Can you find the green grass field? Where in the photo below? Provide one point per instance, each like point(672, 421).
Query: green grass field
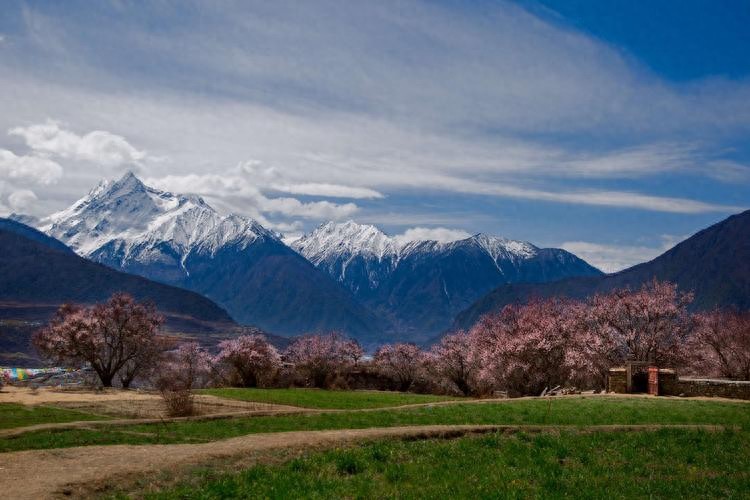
point(563, 411)
point(662, 464)
point(15, 415)
point(316, 398)
point(561, 463)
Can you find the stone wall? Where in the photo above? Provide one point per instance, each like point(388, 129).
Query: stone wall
point(670, 384)
point(736, 389)
point(617, 381)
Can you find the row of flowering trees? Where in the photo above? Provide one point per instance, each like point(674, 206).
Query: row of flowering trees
point(521, 349)
point(545, 343)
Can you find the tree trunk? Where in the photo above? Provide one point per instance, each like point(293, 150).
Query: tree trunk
point(405, 385)
point(249, 380)
point(463, 386)
point(106, 380)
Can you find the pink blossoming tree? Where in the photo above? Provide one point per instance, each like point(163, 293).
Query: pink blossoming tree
point(182, 370)
point(403, 363)
point(318, 358)
point(454, 360)
point(525, 349)
point(649, 324)
point(190, 365)
point(249, 360)
point(107, 336)
point(722, 344)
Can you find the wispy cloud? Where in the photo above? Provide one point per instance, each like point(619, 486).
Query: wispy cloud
point(612, 258)
point(329, 190)
point(222, 189)
point(341, 108)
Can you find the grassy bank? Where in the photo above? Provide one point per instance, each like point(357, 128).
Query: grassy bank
point(580, 411)
point(662, 464)
point(322, 399)
point(15, 415)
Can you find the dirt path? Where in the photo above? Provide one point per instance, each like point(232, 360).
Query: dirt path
point(242, 409)
point(38, 474)
point(133, 405)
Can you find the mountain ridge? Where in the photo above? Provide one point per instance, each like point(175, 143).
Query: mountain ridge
point(181, 240)
point(420, 285)
point(33, 271)
point(714, 264)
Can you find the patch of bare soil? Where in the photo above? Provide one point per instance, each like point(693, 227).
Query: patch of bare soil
point(69, 472)
point(119, 403)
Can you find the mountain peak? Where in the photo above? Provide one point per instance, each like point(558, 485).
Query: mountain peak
point(125, 220)
point(497, 246)
point(129, 176)
point(348, 239)
point(128, 183)
point(345, 239)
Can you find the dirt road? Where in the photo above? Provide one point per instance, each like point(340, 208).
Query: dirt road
point(36, 474)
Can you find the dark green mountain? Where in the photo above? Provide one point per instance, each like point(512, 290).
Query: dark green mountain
point(713, 264)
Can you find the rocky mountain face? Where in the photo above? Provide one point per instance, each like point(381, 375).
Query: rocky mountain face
point(419, 286)
point(713, 264)
point(181, 240)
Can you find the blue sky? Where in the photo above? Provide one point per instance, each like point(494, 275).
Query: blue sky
point(612, 129)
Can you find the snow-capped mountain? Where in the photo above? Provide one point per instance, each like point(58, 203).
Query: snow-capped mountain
point(343, 276)
point(181, 240)
point(356, 255)
point(333, 240)
point(352, 252)
point(128, 225)
point(421, 285)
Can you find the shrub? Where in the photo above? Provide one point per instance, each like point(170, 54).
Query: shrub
point(179, 401)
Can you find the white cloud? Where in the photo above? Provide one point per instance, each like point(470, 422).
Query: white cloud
point(21, 200)
point(329, 190)
point(613, 258)
point(363, 101)
point(98, 146)
point(622, 199)
point(265, 176)
point(250, 198)
point(32, 169)
point(442, 234)
point(316, 210)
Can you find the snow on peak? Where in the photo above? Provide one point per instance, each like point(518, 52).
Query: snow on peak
point(138, 218)
point(498, 247)
point(346, 239)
